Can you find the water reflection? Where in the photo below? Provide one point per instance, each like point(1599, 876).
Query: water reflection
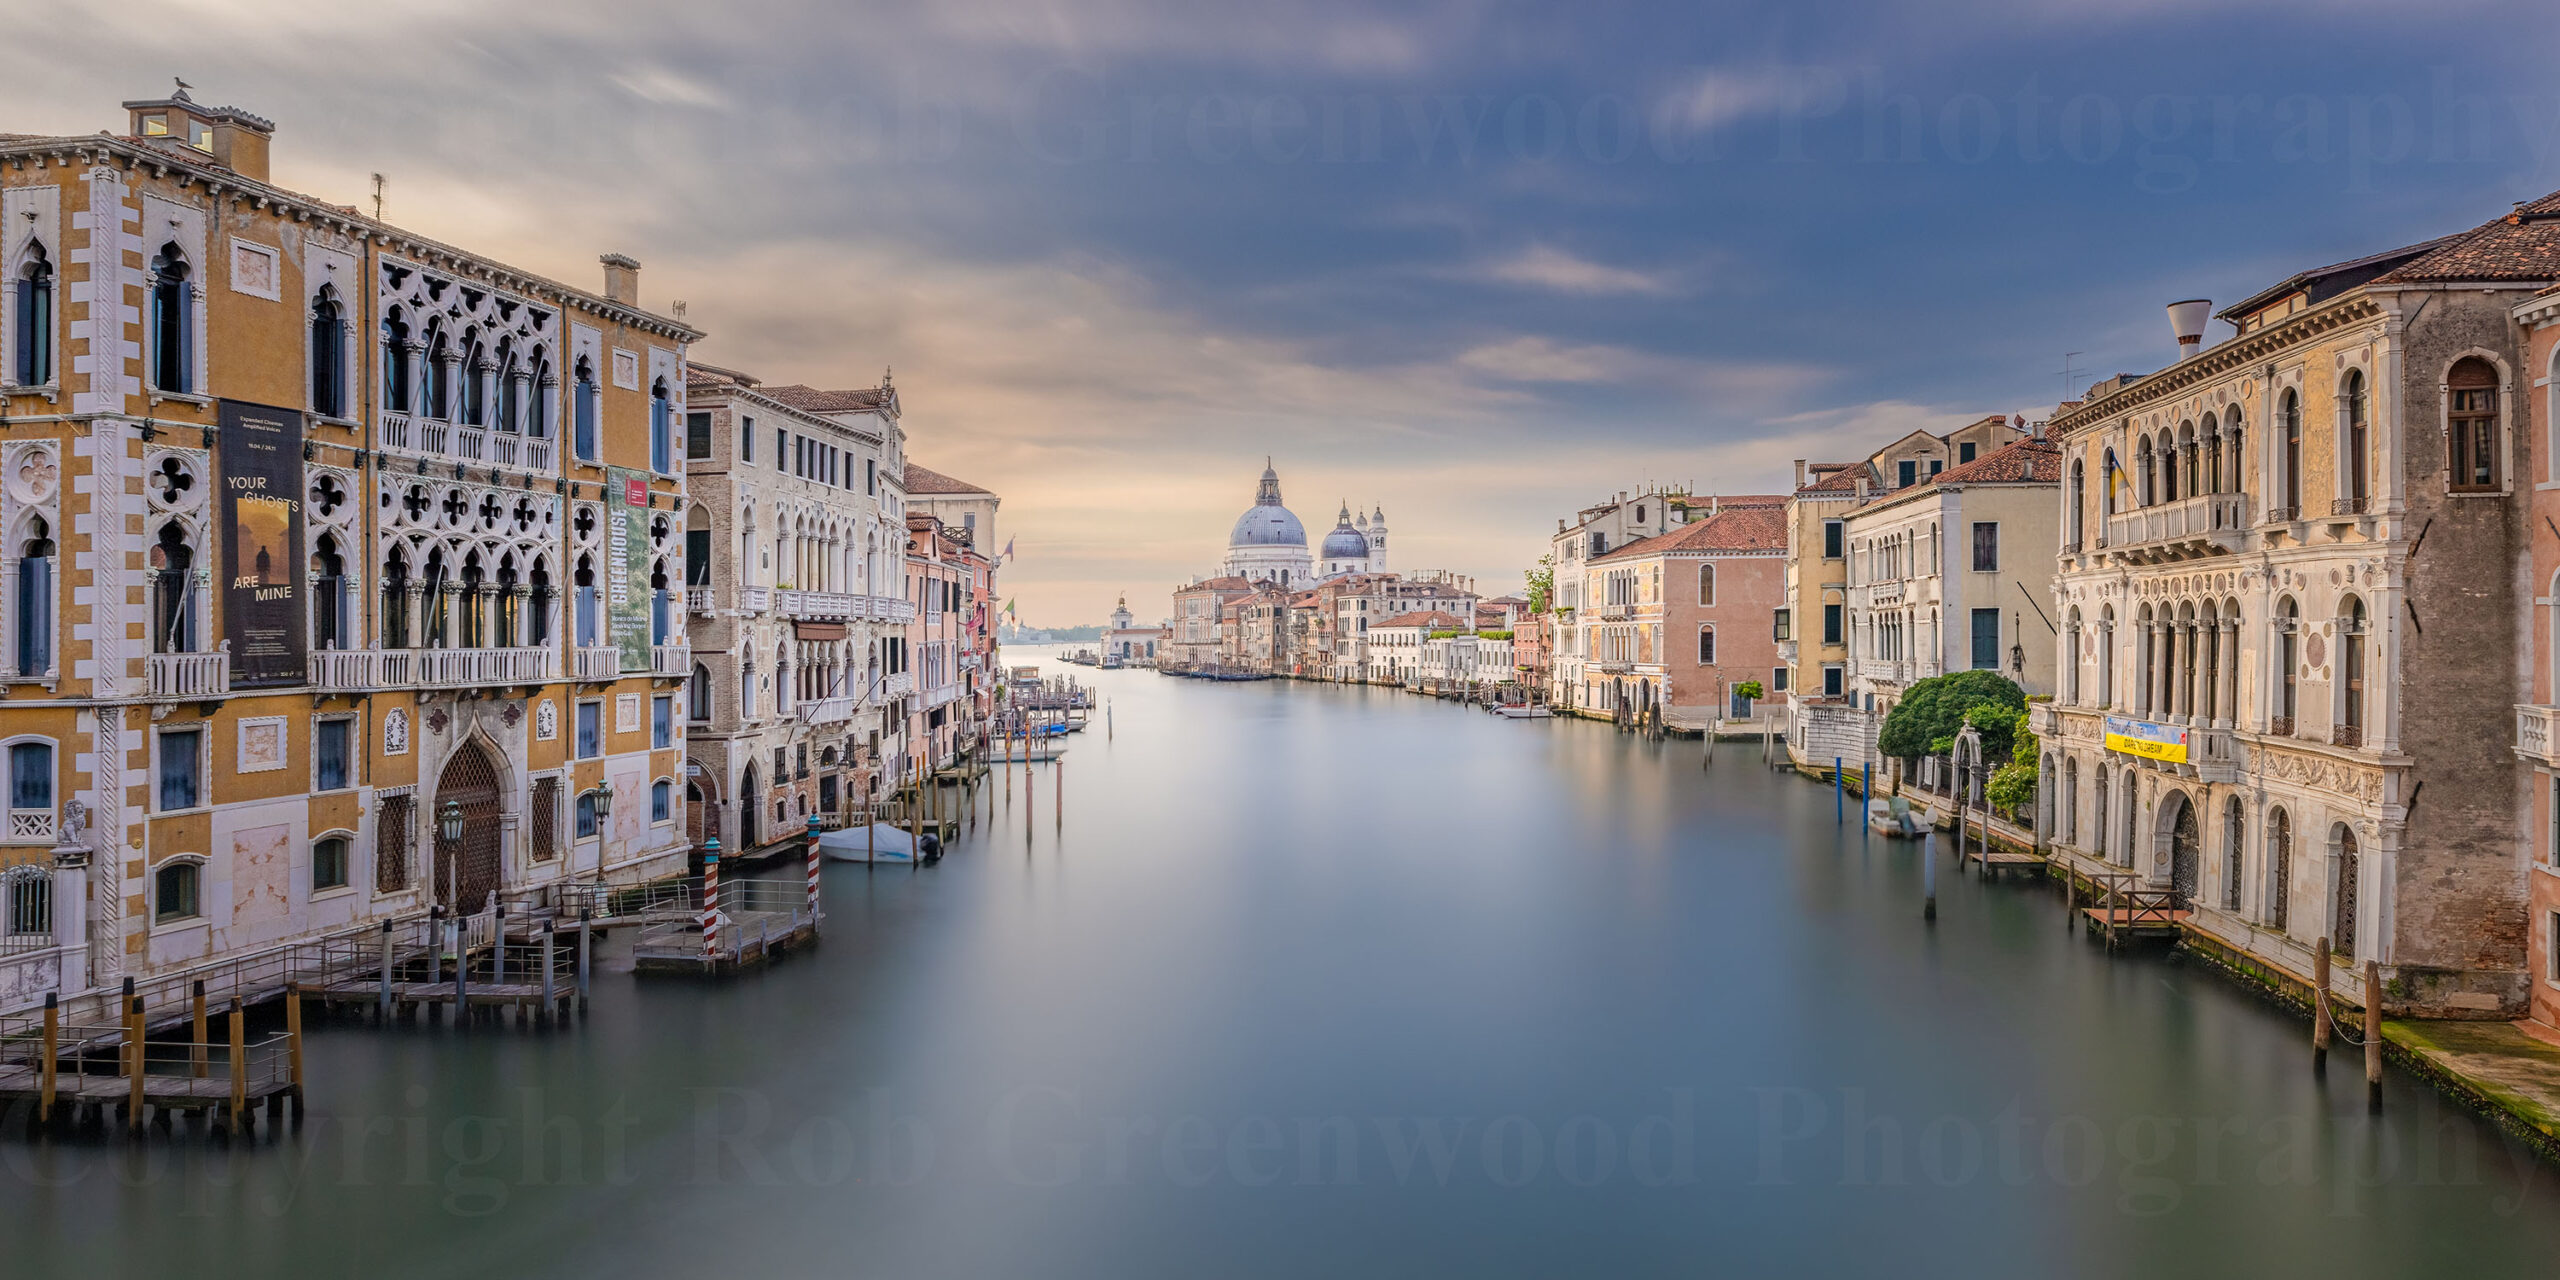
point(1324, 980)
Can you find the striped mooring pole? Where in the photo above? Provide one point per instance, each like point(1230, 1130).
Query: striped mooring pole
point(711, 900)
point(813, 868)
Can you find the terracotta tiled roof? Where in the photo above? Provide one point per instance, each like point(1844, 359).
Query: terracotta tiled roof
point(1433, 618)
point(698, 374)
point(812, 400)
point(1756, 526)
point(922, 480)
point(1845, 479)
point(1232, 582)
point(2524, 245)
point(2029, 461)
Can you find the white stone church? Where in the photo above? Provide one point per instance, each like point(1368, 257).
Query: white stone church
point(1269, 545)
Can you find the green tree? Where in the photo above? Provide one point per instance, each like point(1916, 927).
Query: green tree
point(2004, 732)
point(1542, 583)
point(2012, 788)
point(1924, 723)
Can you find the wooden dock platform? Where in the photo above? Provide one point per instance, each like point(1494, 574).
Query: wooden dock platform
point(1998, 862)
point(756, 921)
point(81, 1075)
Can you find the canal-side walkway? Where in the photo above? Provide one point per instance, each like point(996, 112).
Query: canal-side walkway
point(2499, 1069)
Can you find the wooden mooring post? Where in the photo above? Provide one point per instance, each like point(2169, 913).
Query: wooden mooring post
point(49, 1080)
point(239, 1069)
point(382, 1008)
point(135, 1064)
point(2373, 1035)
point(1929, 875)
point(586, 953)
point(2320, 1029)
point(461, 970)
point(550, 960)
point(196, 1052)
point(293, 1042)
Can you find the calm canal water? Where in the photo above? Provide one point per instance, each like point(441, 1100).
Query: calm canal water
point(1342, 981)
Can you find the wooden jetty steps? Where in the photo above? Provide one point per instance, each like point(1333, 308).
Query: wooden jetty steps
point(78, 1076)
point(180, 1044)
point(2127, 911)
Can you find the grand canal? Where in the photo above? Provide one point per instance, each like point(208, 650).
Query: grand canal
point(1339, 981)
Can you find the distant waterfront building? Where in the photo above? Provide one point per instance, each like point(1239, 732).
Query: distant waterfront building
point(795, 582)
point(1948, 574)
point(1593, 532)
point(1679, 622)
point(1824, 720)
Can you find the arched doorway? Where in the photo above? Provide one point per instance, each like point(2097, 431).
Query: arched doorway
point(2185, 848)
point(750, 804)
point(466, 871)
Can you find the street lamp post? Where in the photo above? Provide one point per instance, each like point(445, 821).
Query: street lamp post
point(449, 828)
point(604, 810)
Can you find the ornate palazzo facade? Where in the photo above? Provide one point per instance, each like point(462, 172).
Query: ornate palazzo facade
point(315, 528)
point(2287, 589)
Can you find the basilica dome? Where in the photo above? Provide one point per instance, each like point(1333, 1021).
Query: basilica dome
point(1266, 523)
point(1345, 542)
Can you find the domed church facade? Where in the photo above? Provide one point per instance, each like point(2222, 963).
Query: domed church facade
point(1269, 545)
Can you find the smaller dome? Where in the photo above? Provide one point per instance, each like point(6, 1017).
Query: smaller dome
point(1345, 542)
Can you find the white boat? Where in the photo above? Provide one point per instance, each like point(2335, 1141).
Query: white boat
point(879, 843)
point(1524, 713)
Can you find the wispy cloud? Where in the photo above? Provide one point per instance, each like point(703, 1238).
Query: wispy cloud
point(1715, 97)
point(1544, 266)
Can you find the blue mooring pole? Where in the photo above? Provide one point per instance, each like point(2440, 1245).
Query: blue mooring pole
point(1839, 805)
point(1929, 877)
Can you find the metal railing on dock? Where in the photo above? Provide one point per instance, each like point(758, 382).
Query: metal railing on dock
point(83, 1073)
point(2125, 908)
point(755, 921)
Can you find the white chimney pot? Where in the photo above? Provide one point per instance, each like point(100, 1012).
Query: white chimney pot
point(2187, 319)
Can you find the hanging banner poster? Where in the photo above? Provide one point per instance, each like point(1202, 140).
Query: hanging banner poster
point(627, 568)
point(263, 606)
point(2143, 738)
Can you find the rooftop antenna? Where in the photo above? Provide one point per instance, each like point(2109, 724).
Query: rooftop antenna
point(377, 197)
point(2068, 373)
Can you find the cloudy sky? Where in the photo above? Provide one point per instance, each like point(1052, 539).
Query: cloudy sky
point(1476, 262)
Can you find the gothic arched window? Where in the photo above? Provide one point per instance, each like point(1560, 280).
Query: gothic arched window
point(33, 319)
point(172, 322)
point(328, 355)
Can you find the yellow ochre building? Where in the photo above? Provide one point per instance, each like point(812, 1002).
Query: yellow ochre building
point(316, 531)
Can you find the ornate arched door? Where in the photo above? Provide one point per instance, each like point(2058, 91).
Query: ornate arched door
point(2185, 852)
point(466, 870)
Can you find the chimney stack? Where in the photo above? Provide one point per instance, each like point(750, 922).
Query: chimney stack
point(231, 137)
point(621, 279)
point(2188, 318)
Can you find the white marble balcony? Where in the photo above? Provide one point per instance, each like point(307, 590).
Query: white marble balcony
point(2537, 732)
point(472, 668)
point(671, 659)
point(599, 662)
point(826, 711)
point(2206, 524)
point(188, 675)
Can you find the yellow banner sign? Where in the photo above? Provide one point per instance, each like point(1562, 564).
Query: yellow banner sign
point(2143, 738)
